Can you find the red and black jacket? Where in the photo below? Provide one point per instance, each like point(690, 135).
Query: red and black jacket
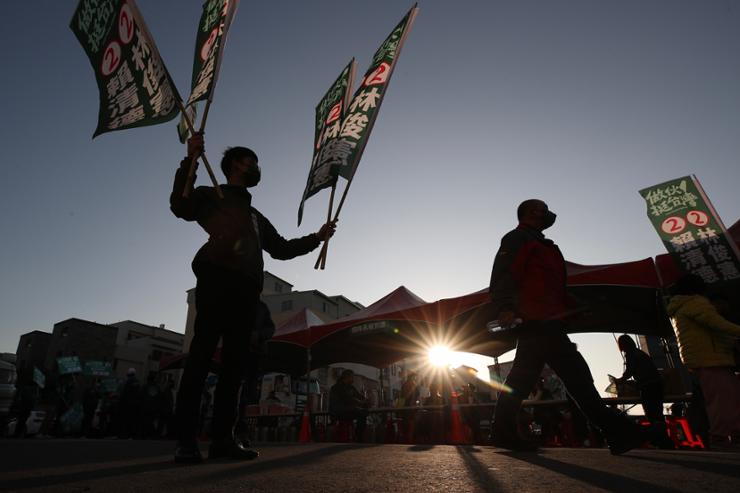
point(529, 276)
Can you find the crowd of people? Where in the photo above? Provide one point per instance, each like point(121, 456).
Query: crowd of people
point(84, 406)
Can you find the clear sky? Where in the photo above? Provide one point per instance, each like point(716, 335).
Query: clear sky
point(580, 103)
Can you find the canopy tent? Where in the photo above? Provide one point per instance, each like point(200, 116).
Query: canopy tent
point(287, 351)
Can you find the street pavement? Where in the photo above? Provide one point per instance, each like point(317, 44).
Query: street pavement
point(111, 466)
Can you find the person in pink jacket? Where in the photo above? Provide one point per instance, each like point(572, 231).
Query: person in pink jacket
point(705, 343)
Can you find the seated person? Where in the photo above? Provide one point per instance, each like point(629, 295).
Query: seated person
point(347, 404)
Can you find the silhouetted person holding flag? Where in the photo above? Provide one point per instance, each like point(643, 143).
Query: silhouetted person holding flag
point(529, 298)
point(229, 272)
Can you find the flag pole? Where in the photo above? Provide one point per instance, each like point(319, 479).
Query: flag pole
point(321, 261)
point(191, 172)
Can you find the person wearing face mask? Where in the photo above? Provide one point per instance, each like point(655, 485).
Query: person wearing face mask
point(528, 294)
point(229, 273)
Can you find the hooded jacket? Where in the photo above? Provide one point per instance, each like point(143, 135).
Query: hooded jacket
point(237, 231)
point(705, 338)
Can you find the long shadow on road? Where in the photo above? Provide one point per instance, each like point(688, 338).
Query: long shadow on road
point(131, 469)
point(480, 473)
point(27, 482)
point(724, 469)
point(289, 461)
point(594, 477)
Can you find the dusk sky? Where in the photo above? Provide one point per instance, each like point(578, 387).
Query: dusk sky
point(579, 103)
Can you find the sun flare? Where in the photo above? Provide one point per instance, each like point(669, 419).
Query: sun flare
point(440, 356)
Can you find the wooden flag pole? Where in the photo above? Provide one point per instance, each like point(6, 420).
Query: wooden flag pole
point(191, 172)
point(321, 261)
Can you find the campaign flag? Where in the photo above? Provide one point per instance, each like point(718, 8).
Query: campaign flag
point(183, 130)
point(69, 364)
point(691, 230)
point(343, 152)
point(98, 368)
point(39, 378)
point(329, 116)
point(209, 46)
point(134, 85)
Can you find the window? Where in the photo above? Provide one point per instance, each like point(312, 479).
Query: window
point(323, 307)
point(278, 287)
point(286, 305)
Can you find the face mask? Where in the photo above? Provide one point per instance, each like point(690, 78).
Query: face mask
point(548, 220)
point(253, 176)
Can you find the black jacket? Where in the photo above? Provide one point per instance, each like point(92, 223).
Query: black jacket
point(237, 231)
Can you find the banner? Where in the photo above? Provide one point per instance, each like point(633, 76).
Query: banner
point(39, 378)
point(98, 368)
point(134, 85)
point(209, 46)
point(342, 153)
point(69, 364)
point(691, 230)
point(329, 116)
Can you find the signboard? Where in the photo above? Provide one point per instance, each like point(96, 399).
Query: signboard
point(134, 85)
point(98, 368)
point(39, 378)
point(69, 364)
point(370, 327)
point(343, 152)
point(329, 116)
point(691, 230)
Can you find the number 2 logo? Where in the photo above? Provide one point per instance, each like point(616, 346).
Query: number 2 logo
point(673, 225)
point(111, 58)
point(697, 218)
point(125, 25)
point(378, 76)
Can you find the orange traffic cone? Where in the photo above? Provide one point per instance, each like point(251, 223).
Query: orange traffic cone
point(305, 434)
point(458, 433)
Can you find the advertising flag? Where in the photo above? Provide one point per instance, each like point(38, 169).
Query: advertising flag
point(343, 152)
point(691, 230)
point(39, 378)
point(69, 364)
point(329, 115)
point(98, 368)
point(209, 46)
point(183, 131)
point(135, 88)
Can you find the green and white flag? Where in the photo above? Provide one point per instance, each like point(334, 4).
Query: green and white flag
point(343, 152)
point(183, 130)
point(209, 46)
point(69, 364)
point(691, 229)
point(135, 88)
point(98, 368)
point(329, 116)
point(39, 378)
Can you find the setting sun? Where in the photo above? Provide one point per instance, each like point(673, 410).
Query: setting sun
point(440, 356)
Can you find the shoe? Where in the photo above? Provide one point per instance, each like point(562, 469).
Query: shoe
point(231, 450)
point(626, 441)
point(188, 453)
point(513, 443)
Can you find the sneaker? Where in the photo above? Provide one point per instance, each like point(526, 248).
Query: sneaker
point(188, 453)
point(230, 449)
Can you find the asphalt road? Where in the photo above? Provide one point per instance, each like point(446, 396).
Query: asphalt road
point(126, 465)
